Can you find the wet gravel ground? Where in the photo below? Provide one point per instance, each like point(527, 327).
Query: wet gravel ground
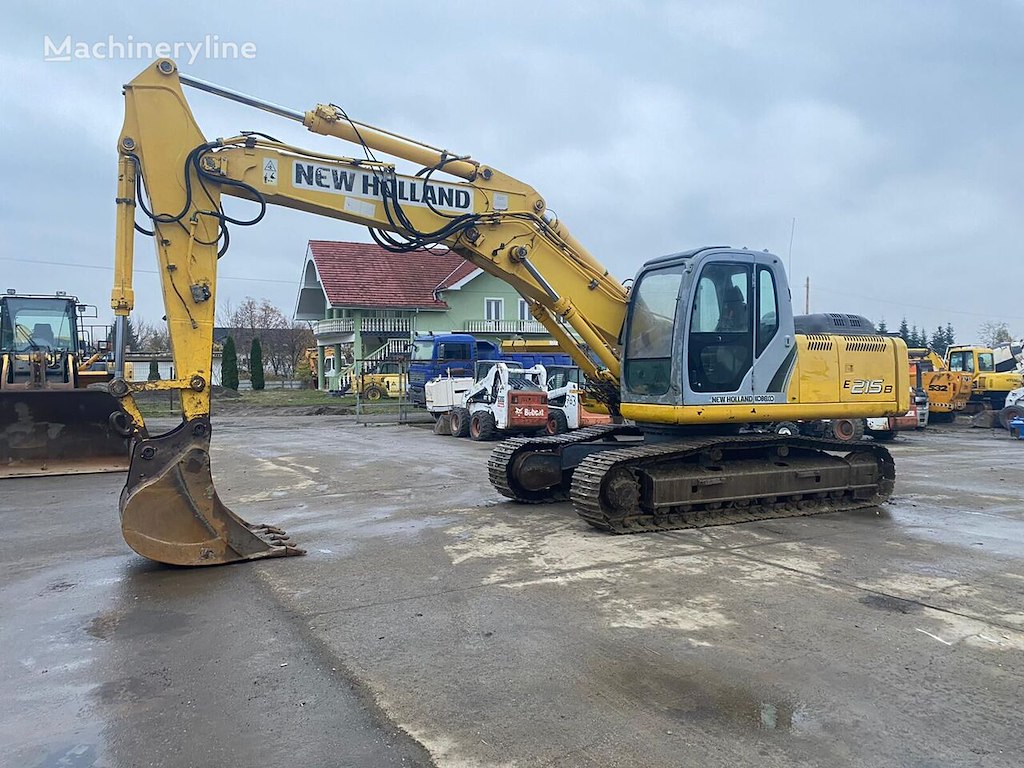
point(433, 623)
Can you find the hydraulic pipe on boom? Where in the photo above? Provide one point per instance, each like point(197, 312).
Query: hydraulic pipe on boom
point(676, 375)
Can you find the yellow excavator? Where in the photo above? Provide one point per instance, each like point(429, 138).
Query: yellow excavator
point(948, 391)
point(704, 344)
point(989, 386)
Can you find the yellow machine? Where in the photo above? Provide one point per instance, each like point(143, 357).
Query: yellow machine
point(948, 391)
point(989, 387)
point(381, 381)
point(704, 343)
point(51, 421)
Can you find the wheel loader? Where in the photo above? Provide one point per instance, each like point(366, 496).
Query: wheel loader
point(703, 341)
point(56, 416)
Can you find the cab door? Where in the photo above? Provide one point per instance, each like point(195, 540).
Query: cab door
point(774, 338)
point(719, 349)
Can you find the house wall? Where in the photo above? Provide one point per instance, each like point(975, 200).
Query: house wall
point(467, 303)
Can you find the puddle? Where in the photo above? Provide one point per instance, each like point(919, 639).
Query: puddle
point(890, 603)
point(70, 756)
point(127, 690)
point(138, 623)
point(698, 696)
point(744, 708)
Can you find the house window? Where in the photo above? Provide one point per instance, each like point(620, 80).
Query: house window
point(524, 310)
point(494, 309)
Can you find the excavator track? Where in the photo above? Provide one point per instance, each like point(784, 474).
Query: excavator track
point(501, 466)
point(723, 480)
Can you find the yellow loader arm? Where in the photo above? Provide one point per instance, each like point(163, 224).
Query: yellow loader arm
point(170, 511)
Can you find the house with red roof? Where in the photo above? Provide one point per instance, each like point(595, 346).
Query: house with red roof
point(367, 302)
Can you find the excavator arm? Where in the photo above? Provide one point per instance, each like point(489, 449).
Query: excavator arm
point(169, 170)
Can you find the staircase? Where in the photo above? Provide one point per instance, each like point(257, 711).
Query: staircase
point(343, 381)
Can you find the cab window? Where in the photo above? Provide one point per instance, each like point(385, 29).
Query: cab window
point(961, 361)
point(453, 352)
point(648, 365)
point(720, 350)
point(767, 309)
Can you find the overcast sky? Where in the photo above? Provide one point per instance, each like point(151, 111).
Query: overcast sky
point(890, 131)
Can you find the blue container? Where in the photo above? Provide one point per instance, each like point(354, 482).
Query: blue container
point(1017, 428)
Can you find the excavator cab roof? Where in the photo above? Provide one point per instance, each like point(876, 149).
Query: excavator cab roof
point(682, 255)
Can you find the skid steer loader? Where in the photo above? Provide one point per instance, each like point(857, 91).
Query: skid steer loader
point(56, 416)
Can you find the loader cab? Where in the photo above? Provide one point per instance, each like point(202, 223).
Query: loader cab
point(38, 324)
point(712, 326)
point(560, 376)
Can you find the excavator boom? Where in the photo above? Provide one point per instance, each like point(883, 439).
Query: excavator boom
point(170, 511)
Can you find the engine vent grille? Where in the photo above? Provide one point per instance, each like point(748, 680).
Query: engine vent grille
point(819, 343)
point(865, 344)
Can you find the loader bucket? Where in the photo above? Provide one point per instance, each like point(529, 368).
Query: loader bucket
point(61, 432)
point(170, 511)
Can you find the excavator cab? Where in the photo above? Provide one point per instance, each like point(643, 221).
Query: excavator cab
point(50, 422)
point(706, 327)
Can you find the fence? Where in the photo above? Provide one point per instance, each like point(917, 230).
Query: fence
point(381, 393)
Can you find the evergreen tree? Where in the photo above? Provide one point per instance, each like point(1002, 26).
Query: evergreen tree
point(229, 365)
point(922, 340)
point(131, 337)
point(904, 330)
point(913, 340)
point(950, 336)
point(154, 370)
point(131, 341)
point(939, 341)
point(882, 328)
point(256, 364)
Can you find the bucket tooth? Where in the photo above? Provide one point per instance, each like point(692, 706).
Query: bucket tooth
point(170, 510)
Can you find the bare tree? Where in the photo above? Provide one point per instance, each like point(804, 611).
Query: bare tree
point(993, 333)
point(152, 337)
point(287, 346)
point(224, 312)
point(282, 340)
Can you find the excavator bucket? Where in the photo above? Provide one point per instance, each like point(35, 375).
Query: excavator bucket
point(61, 432)
point(171, 513)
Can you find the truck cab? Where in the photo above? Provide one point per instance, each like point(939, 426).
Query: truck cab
point(457, 355)
point(447, 354)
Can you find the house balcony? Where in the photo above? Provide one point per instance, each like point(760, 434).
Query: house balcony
point(369, 325)
point(503, 326)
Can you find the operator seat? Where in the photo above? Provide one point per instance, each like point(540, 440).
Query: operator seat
point(719, 360)
point(42, 335)
point(734, 311)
